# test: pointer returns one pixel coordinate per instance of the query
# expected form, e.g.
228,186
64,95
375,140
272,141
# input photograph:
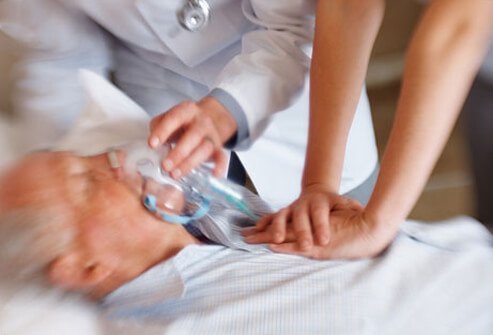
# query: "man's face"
113,228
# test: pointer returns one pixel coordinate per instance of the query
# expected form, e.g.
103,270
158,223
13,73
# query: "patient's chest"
215,290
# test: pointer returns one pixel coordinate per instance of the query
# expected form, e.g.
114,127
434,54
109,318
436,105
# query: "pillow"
109,119
30,310
8,151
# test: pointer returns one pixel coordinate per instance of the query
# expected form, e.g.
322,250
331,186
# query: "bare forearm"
344,35
443,58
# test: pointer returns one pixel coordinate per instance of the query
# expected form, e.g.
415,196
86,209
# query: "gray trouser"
363,192
478,115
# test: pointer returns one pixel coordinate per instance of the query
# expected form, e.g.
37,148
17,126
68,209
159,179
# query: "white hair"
30,238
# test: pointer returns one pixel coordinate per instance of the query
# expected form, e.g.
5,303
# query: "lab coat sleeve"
269,73
52,42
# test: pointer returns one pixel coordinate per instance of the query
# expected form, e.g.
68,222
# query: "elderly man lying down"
79,224
86,230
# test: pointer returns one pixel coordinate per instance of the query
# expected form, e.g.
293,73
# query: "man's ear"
71,271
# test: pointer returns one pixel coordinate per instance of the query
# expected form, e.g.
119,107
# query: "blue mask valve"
150,202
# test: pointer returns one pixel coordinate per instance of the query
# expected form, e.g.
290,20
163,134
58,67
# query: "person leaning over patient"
219,86
443,57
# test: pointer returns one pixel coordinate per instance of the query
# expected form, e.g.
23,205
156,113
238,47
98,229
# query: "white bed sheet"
435,279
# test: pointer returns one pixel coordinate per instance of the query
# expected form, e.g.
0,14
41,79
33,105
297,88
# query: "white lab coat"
255,50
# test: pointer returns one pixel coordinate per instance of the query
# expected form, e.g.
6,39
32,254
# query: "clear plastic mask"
184,200
172,200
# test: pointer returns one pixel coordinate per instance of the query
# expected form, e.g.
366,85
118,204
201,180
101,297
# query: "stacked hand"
322,225
199,131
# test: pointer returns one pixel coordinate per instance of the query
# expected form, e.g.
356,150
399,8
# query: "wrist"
223,120
322,174
385,224
319,187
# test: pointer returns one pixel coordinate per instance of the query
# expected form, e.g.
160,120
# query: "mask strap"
150,204
113,159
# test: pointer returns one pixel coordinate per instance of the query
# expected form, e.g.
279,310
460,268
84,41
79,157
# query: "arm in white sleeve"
53,43
269,73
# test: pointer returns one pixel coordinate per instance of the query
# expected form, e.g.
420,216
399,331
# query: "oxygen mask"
183,200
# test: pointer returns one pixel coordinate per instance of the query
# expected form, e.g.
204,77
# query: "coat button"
194,15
